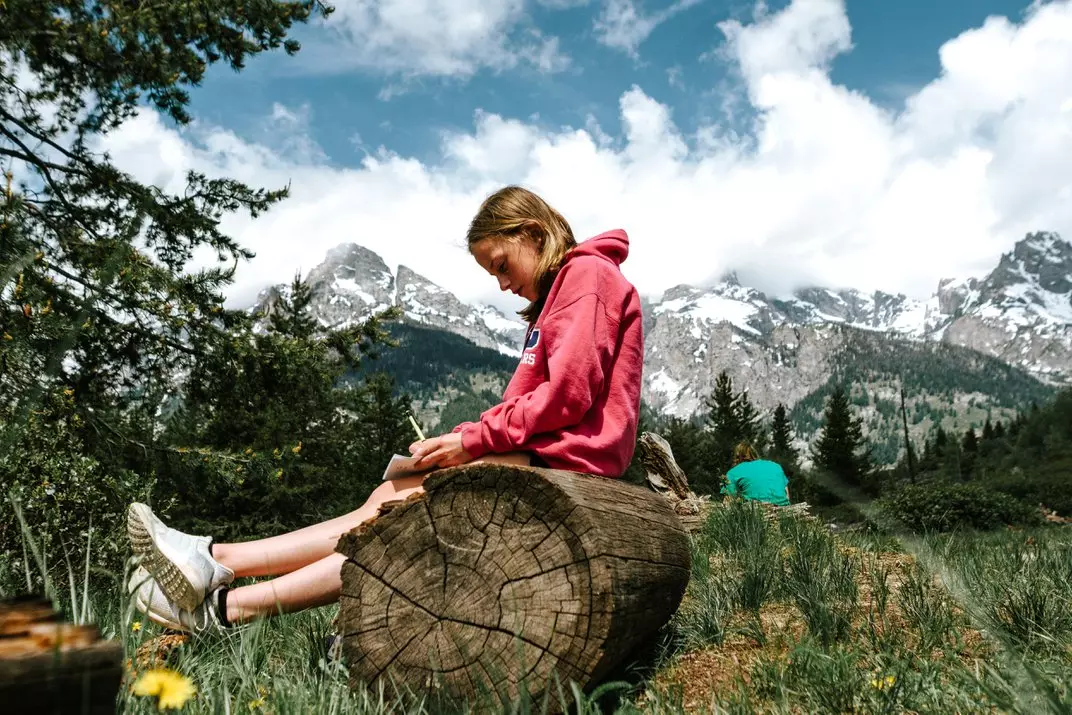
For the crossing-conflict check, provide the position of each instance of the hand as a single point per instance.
(446, 450)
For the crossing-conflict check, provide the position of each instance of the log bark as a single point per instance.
(499, 578)
(47, 666)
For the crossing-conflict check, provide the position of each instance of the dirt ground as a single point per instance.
(708, 673)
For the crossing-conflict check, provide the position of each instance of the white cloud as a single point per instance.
(287, 132)
(828, 189)
(624, 25)
(673, 77)
(432, 38)
(807, 34)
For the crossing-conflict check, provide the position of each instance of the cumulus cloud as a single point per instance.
(432, 38)
(828, 189)
(624, 24)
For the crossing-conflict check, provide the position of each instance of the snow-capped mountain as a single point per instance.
(780, 349)
(353, 282)
(1021, 312)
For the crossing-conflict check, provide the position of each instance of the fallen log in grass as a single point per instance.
(47, 666)
(501, 578)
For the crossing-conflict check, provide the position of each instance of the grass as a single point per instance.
(780, 616)
(867, 623)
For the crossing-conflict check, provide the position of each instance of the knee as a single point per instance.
(396, 489)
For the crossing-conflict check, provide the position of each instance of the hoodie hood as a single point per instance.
(612, 246)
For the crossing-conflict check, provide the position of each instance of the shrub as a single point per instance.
(62, 494)
(950, 507)
(1045, 483)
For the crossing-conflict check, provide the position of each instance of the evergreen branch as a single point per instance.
(43, 138)
(34, 160)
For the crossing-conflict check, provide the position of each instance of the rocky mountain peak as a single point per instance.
(1042, 258)
(425, 302)
(353, 281)
(348, 262)
(729, 278)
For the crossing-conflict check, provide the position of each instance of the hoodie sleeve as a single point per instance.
(580, 342)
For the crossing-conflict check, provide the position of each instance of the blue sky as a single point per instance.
(895, 52)
(870, 144)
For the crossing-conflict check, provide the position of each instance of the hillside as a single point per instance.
(449, 378)
(944, 384)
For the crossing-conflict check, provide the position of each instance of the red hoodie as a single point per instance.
(575, 396)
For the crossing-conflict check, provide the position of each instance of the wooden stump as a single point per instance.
(51, 667)
(500, 576)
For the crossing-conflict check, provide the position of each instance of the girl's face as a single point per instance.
(512, 263)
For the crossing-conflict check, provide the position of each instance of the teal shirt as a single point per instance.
(758, 480)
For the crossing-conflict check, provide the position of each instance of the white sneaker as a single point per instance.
(179, 563)
(150, 599)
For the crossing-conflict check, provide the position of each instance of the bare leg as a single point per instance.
(289, 552)
(316, 582)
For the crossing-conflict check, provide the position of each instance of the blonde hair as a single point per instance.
(514, 214)
(744, 452)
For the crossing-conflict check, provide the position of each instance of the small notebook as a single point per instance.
(401, 466)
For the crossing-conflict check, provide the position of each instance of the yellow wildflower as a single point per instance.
(883, 683)
(256, 703)
(296, 449)
(171, 689)
(135, 626)
(7, 336)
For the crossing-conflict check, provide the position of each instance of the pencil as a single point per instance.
(416, 428)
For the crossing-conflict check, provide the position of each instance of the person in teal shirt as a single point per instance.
(755, 479)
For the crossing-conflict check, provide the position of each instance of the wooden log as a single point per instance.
(500, 577)
(47, 666)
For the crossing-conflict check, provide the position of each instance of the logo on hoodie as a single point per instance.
(531, 341)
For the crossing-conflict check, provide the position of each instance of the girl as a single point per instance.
(755, 479)
(572, 404)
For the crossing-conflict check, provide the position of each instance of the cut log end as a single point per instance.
(502, 576)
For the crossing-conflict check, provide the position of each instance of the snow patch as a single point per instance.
(664, 384)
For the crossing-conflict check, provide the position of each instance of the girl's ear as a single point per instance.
(535, 232)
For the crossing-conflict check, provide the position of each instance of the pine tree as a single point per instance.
(841, 451)
(782, 449)
(277, 437)
(971, 442)
(290, 314)
(749, 425)
(722, 407)
(99, 255)
(969, 453)
(988, 430)
(723, 423)
(941, 441)
(99, 307)
(689, 444)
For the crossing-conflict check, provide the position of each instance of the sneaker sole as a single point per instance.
(147, 610)
(175, 585)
